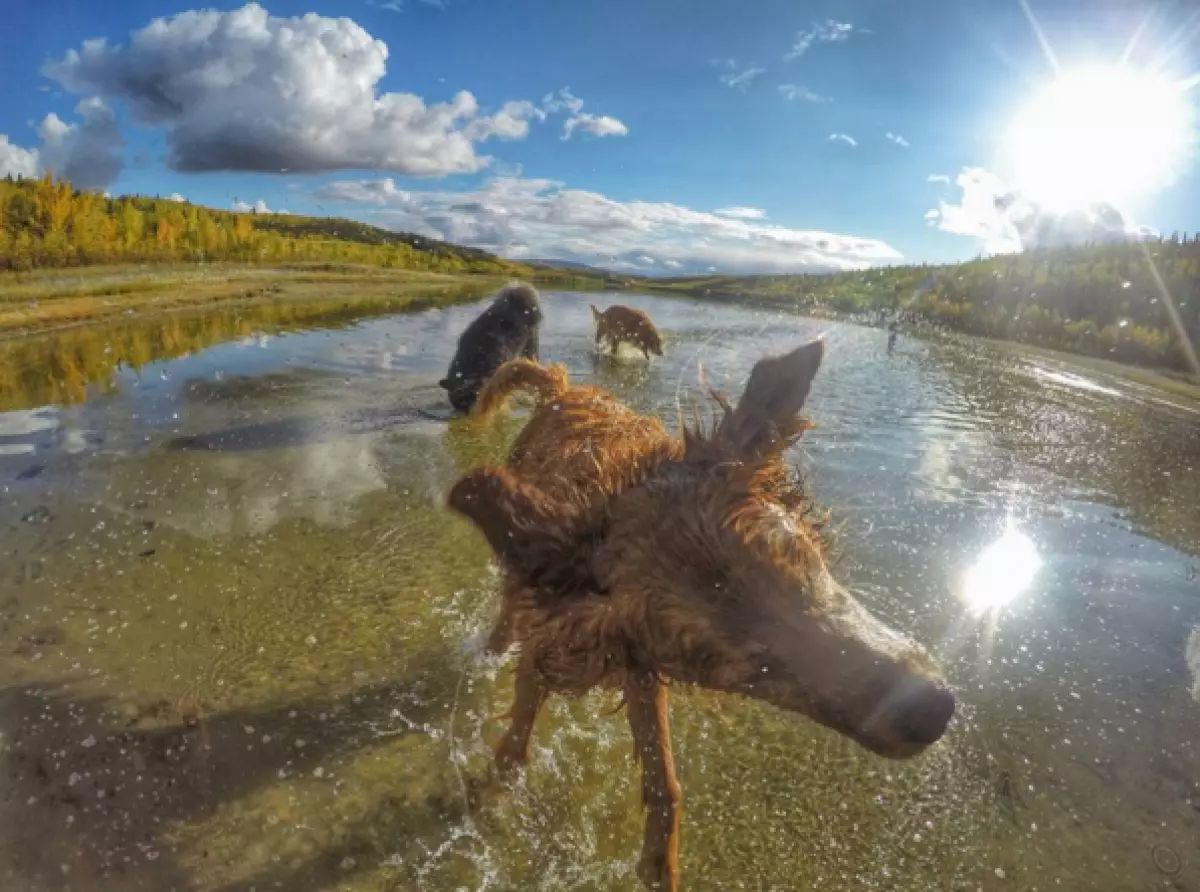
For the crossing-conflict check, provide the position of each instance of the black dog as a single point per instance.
(506, 330)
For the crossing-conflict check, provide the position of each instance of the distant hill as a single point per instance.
(571, 265)
(341, 229)
(47, 223)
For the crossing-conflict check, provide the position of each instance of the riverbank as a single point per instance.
(1175, 383)
(47, 300)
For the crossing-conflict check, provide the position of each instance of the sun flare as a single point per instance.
(1001, 573)
(1110, 134)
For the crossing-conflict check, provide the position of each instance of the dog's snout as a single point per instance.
(927, 713)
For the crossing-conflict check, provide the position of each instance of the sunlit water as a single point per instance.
(238, 638)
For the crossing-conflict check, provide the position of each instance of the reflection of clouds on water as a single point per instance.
(24, 422)
(940, 470)
(74, 441)
(27, 429)
(253, 492)
(1193, 660)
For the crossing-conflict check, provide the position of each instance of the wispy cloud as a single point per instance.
(937, 178)
(735, 75)
(577, 118)
(398, 5)
(596, 125)
(843, 137)
(828, 31)
(543, 218)
(741, 213)
(741, 80)
(796, 93)
(897, 139)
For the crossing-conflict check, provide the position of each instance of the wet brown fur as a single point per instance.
(632, 558)
(619, 324)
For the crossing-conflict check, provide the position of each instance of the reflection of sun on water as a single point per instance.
(1002, 572)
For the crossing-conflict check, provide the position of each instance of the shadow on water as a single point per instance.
(96, 792)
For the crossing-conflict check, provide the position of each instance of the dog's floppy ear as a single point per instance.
(444, 384)
(539, 538)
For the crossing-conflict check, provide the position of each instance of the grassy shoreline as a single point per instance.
(44, 301)
(48, 301)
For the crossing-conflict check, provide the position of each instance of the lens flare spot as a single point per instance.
(1002, 572)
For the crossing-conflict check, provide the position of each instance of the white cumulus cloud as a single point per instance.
(828, 31)
(897, 139)
(543, 218)
(245, 90)
(16, 161)
(843, 137)
(259, 207)
(1005, 221)
(175, 196)
(87, 153)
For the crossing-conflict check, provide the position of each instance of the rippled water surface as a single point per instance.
(238, 633)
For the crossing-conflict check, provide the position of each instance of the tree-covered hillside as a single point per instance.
(1109, 300)
(47, 223)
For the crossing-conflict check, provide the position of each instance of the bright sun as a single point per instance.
(1109, 134)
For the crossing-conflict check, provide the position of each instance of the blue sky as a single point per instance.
(744, 136)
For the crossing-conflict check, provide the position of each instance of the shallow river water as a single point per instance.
(239, 635)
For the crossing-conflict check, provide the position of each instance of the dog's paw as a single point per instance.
(656, 872)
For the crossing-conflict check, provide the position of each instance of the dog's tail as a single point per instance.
(596, 314)
(517, 376)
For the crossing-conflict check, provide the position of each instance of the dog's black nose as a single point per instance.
(926, 713)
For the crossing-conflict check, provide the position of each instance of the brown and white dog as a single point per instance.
(619, 324)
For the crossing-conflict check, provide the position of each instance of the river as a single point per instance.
(239, 635)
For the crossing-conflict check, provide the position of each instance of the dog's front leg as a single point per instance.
(646, 702)
(513, 749)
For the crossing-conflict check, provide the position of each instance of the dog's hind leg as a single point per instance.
(646, 701)
(513, 749)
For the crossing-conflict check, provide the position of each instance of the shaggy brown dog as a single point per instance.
(633, 558)
(505, 330)
(620, 324)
